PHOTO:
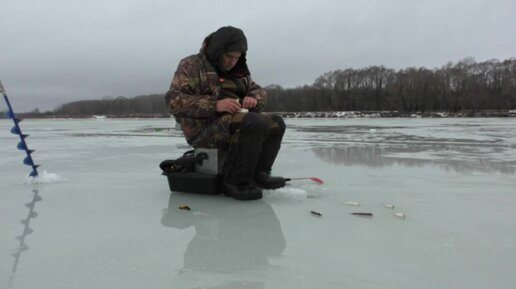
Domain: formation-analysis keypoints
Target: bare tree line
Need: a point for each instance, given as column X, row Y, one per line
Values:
column 143, row 106
column 463, row 86
column 466, row 85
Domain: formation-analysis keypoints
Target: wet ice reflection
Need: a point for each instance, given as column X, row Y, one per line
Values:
column 379, row 157
column 114, row 223
column 460, row 146
column 230, row 236
column 27, row 230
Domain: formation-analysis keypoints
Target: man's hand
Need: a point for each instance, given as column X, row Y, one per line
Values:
column 230, row 105
column 249, row 102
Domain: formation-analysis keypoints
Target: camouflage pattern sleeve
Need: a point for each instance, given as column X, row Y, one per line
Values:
column 185, row 96
column 258, row 93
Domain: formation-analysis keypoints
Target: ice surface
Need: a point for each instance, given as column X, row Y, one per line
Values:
column 102, row 216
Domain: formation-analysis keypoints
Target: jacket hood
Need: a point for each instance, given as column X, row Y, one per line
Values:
column 226, row 39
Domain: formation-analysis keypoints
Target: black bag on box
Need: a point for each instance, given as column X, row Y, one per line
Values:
column 182, row 176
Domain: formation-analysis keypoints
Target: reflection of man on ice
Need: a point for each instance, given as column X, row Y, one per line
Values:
column 218, row 106
column 228, row 238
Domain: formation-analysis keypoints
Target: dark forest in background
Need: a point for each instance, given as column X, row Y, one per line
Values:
column 466, row 85
column 463, row 86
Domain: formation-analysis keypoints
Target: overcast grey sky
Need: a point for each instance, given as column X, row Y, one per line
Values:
column 57, row 51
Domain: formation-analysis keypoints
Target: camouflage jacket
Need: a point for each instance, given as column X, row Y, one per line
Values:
column 192, row 97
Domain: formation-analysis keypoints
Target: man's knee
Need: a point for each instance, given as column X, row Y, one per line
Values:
column 280, row 123
column 253, row 123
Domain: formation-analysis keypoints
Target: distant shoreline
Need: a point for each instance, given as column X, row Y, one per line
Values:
column 313, row 114
column 380, row 114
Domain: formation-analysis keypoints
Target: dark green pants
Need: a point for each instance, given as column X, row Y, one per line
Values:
column 255, row 143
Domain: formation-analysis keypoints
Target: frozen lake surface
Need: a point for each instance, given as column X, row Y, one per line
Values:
column 102, row 215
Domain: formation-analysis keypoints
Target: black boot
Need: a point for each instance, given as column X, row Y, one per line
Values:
column 244, row 192
column 263, row 180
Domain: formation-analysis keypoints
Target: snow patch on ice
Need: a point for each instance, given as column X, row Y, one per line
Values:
column 287, row 192
column 45, row 178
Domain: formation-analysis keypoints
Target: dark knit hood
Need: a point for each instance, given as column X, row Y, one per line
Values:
column 227, row 39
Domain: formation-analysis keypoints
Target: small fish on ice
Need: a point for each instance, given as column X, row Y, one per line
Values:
column 315, row 213
column 363, row 214
column 356, row 204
